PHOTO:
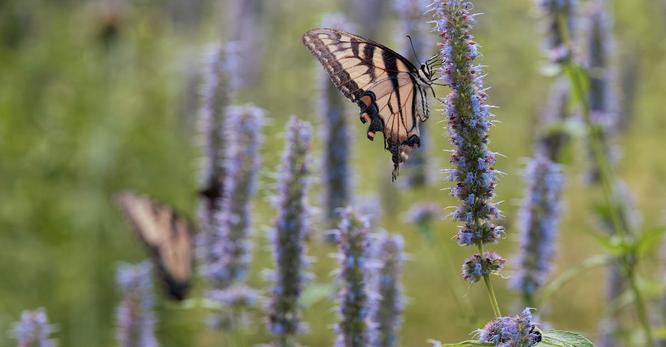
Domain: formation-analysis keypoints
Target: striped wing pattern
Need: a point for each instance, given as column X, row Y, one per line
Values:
column 167, row 236
column 380, row 81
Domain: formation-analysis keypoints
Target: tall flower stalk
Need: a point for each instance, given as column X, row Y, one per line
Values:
column 336, row 138
column 553, row 136
column 606, row 178
column 33, row 330
column 415, row 46
column 469, row 120
column 288, row 237
column 231, row 247
column 135, row 318
column 387, row 303
column 214, row 99
column 353, row 270
column 539, row 220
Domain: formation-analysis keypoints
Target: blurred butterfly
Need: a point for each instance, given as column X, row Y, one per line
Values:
column 388, row 88
column 167, row 236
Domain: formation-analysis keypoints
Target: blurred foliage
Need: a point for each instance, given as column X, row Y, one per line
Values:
column 100, row 96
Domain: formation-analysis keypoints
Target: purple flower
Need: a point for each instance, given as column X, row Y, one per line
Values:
column 477, row 266
column 610, row 329
column 469, row 120
column 230, row 247
column 336, row 138
column 516, row 331
column 33, row 329
column 554, row 11
column 288, row 236
column 553, row 136
column 134, row 316
column 353, row 271
column 387, row 302
column 214, row 98
column 538, row 225
column 602, row 91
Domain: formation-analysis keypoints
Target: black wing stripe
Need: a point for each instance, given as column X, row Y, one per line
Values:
column 368, row 53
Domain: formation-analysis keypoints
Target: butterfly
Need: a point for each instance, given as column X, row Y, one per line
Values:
column 389, row 90
column 167, row 236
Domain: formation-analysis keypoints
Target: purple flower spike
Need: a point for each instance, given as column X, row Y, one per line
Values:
column 539, row 220
column 553, row 12
column 33, row 330
column 469, row 120
column 230, row 247
column 134, row 316
column 336, row 137
column 516, row 331
column 387, row 301
column 423, row 213
column 353, row 271
column 477, row 266
column 288, row 236
column 553, row 136
column 214, row 98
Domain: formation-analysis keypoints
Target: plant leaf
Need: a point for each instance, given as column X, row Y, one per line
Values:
column 649, row 239
column 561, row 338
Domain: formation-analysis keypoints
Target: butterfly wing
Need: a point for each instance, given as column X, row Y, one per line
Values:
column 167, row 236
column 382, row 83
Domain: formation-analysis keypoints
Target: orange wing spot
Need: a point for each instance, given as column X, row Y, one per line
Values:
column 367, row 100
column 371, row 135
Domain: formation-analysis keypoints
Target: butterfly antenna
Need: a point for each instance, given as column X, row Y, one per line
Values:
column 413, row 49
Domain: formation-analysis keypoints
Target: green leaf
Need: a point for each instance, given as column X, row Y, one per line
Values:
column 648, row 240
column 561, row 338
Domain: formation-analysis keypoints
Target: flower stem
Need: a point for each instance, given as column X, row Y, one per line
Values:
column 489, row 287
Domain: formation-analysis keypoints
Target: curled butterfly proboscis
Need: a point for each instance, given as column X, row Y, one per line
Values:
column 167, row 236
column 389, row 90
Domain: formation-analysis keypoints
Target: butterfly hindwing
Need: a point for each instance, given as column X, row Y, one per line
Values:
column 381, row 82
column 167, row 236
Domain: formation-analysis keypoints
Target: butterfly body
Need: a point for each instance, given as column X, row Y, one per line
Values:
column 167, row 236
column 389, row 90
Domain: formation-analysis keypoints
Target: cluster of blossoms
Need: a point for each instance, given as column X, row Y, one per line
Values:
column 559, row 20
column 553, row 136
column 516, row 331
column 214, row 98
column 353, row 271
column 230, row 247
column 288, row 237
column 33, row 329
column 135, row 317
column 539, row 219
column 469, row 120
column 387, row 302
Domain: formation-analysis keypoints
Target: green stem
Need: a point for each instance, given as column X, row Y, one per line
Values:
column 607, row 179
column 489, row 287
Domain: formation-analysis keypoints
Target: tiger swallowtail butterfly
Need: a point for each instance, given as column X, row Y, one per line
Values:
column 166, row 235
column 387, row 87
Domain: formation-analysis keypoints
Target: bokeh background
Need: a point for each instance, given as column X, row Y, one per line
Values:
column 101, row 96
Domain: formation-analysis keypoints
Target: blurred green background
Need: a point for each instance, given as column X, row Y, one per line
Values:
column 96, row 99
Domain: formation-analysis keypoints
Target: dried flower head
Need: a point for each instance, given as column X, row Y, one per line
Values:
column 477, row 266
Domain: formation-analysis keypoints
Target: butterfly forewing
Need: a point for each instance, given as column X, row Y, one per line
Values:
column 167, row 236
column 382, row 82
